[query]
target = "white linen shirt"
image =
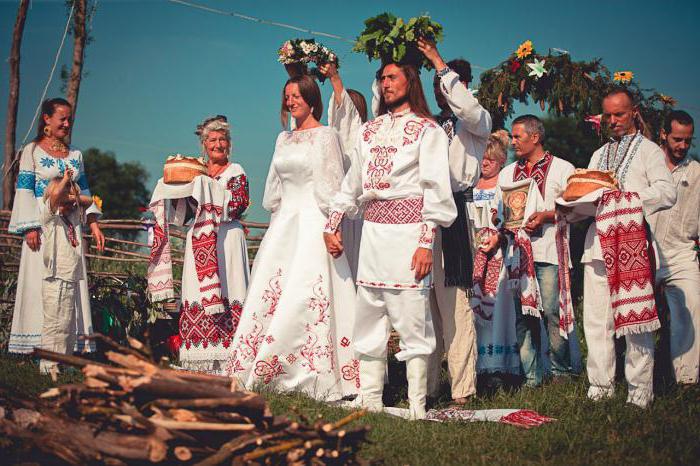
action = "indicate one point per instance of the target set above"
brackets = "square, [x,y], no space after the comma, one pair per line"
[676,229]
[471,132]
[544,245]
[648,176]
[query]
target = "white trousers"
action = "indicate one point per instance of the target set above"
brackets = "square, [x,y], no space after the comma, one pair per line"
[455,333]
[599,330]
[58,329]
[377,310]
[682,291]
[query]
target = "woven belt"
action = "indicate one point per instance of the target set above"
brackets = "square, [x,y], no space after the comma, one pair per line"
[395,211]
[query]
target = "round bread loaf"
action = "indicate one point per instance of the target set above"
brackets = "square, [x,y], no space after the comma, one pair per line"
[179,169]
[584,181]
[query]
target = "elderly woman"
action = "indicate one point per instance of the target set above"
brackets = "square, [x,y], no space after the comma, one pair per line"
[493,305]
[45,158]
[206,337]
[296,329]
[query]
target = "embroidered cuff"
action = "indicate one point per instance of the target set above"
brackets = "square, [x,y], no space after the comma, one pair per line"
[427,235]
[334,219]
[443,72]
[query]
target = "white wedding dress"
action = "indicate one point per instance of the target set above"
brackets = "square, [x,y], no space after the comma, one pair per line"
[295,332]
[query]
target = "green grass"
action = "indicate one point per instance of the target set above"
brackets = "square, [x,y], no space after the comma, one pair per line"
[586,433]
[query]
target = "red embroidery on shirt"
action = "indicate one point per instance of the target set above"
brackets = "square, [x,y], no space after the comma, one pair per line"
[380,167]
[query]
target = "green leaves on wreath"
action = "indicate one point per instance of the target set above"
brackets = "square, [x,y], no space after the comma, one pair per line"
[391,39]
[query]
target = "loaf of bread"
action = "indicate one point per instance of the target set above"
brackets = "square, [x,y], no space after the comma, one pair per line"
[584,181]
[180,169]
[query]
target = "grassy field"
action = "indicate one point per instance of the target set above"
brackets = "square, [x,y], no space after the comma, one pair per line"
[586,433]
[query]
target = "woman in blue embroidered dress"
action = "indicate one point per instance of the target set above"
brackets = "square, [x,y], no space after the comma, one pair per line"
[42,160]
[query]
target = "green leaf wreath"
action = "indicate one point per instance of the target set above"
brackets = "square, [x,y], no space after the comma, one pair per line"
[391,39]
[563,86]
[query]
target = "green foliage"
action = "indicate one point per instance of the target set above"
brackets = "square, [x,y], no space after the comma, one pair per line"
[571,140]
[391,39]
[122,186]
[568,88]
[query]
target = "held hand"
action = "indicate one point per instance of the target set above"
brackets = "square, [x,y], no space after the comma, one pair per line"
[422,262]
[33,239]
[429,49]
[334,244]
[328,70]
[490,246]
[535,222]
[98,236]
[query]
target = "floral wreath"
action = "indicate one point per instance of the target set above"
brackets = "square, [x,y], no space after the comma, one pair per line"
[298,53]
[564,86]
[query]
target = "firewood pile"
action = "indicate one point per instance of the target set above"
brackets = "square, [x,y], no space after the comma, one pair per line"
[138,412]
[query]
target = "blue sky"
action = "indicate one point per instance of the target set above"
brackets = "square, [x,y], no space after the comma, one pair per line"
[155,69]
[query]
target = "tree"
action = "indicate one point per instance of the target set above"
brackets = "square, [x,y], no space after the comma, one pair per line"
[9,173]
[570,140]
[122,186]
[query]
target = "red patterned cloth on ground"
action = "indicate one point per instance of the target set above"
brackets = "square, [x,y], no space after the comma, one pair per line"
[566,308]
[626,249]
[485,277]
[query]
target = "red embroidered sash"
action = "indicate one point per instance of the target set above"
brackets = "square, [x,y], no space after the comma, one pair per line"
[538,172]
[395,211]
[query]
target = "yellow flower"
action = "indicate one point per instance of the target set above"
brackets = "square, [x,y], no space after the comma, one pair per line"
[524,50]
[623,76]
[98,201]
[667,100]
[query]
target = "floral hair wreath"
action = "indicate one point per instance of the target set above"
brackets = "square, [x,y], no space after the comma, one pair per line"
[203,124]
[298,53]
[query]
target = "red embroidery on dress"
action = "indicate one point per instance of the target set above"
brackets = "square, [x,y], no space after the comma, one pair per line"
[249,344]
[334,219]
[269,339]
[413,130]
[319,302]
[269,369]
[291,358]
[330,351]
[196,327]
[204,252]
[379,167]
[240,199]
[395,211]
[234,364]
[370,129]
[310,351]
[351,372]
[272,295]
[344,342]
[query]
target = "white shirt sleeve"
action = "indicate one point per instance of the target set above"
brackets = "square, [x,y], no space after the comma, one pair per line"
[345,119]
[465,106]
[273,186]
[25,208]
[327,169]
[660,193]
[375,98]
[345,202]
[434,178]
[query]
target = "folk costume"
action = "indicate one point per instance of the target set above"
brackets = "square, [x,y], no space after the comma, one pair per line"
[215,268]
[550,173]
[399,173]
[618,284]
[676,233]
[36,169]
[467,128]
[295,332]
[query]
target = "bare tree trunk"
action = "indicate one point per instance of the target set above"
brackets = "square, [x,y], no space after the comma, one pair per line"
[79,39]
[9,171]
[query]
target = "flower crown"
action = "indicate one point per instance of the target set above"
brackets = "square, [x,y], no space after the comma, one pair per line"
[305,51]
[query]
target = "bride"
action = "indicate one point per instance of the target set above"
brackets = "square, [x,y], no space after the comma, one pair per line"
[296,327]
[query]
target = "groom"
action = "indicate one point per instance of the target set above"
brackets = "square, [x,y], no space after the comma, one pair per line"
[400,175]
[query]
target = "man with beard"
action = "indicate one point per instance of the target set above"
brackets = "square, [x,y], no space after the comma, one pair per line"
[676,234]
[467,125]
[638,165]
[399,173]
